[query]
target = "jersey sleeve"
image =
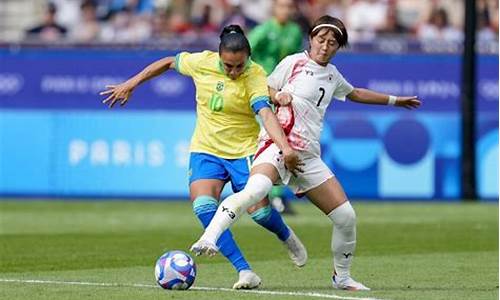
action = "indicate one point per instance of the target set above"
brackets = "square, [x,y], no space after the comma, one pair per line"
[187,63]
[343,87]
[281,73]
[256,86]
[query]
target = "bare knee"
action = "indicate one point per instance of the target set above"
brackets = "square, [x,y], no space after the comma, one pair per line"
[262,203]
[205,187]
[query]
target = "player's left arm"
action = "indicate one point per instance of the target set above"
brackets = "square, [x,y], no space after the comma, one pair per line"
[367,96]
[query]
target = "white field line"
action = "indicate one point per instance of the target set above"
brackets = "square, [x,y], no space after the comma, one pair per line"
[197,288]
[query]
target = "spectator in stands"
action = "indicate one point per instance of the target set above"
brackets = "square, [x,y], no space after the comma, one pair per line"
[48,30]
[365,18]
[317,8]
[411,13]
[159,26]
[485,25]
[392,24]
[336,8]
[256,10]
[494,18]
[179,24]
[236,16]
[88,29]
[301,15]
[204,23]
[125,27]
[198,10]
[438,28]
[134,6]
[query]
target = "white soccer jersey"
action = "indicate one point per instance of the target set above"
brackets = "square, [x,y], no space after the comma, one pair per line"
[312,86]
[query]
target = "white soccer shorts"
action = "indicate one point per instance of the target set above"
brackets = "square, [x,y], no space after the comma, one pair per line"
[315,170]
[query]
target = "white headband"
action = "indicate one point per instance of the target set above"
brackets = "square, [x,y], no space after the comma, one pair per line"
[327,25]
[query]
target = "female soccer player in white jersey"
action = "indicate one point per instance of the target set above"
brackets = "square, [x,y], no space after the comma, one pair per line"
[303,84]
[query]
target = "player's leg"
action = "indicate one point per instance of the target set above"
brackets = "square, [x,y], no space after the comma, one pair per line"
[258,186]
[268,217]
[205,194]
[262,212]
[330,198]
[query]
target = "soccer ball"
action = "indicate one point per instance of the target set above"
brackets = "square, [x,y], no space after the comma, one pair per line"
[175,270]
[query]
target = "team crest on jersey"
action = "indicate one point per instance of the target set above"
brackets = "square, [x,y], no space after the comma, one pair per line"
[220,86]
[330,77]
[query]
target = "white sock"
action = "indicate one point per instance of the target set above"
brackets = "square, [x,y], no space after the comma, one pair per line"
[258,186]
[343,238]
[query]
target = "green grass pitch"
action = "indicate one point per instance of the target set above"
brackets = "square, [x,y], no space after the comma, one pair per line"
[107,250]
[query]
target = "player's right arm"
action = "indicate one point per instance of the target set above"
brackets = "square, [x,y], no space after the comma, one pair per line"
[121,92]
[184,62]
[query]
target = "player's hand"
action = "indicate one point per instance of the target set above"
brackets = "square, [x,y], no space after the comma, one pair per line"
[410,102]
[292,161]
[117,93]
[283,98]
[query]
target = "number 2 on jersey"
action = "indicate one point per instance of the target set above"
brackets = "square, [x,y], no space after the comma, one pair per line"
[322,90]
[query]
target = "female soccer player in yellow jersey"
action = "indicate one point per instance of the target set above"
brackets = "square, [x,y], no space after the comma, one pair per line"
[230,90]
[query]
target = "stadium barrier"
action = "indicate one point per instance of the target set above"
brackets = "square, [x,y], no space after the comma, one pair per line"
[58,139]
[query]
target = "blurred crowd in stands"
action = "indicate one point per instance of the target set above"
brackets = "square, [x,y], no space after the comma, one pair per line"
[139,21]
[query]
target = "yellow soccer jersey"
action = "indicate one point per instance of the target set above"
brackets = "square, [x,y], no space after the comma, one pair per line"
[225,109]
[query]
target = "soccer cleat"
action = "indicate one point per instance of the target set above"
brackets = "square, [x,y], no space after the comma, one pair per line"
[247,280]
[204,247]
[348,284]
[296,250]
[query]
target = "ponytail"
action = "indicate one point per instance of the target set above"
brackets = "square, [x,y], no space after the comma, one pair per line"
[233,39]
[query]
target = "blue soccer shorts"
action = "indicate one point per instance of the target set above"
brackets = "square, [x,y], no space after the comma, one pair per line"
[208,166]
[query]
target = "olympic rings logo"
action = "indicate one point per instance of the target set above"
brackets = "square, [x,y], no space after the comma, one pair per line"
[10,83]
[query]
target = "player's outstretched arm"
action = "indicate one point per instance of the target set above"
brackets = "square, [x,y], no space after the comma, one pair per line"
[370,97]
[121,92]
[273,128]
